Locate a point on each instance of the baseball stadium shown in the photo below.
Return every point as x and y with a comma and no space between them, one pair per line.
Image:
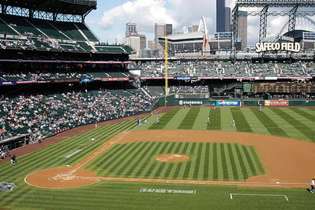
84,126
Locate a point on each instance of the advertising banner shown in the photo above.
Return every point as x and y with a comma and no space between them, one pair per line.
228,103
185,78
189,102
277,103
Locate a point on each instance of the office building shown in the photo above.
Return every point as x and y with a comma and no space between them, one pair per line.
220,15
131,29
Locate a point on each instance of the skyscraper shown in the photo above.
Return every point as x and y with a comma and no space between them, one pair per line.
221,16
168,29
242,28
162,30
227,19
131,29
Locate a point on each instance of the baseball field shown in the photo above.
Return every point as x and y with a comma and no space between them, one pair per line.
184,158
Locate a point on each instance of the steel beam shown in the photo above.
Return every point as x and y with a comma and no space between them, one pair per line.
292,18
283,13
263,23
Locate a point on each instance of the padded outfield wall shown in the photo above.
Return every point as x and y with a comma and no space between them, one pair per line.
172,101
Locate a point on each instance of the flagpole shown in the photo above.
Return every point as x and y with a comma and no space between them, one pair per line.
166,70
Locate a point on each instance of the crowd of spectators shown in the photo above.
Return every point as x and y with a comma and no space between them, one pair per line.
46,115
189,89
220,69
194,91
49,76
4,152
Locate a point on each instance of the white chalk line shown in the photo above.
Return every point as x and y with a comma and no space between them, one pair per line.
261,195
73,154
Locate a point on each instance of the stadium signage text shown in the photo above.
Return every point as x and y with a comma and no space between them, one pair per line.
277,103
285,46
181,102
228,103
166,191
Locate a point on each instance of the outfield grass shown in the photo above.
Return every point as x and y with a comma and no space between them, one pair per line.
160,123
297,123
189,120
208,161
214,119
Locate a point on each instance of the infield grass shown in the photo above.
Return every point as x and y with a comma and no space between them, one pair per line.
133,159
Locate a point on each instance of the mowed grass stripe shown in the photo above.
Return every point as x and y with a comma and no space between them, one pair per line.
240,121
158,166
167,166
162,166
100,160
198,161
202,161
164,119
215,175
256,160
146,173
171,166
149,156
135,159
224,163
111,164
251,163
300,126
214,122
36,160
82,155
240,158
52,159
304,114
271,126
189,120
189,163
119,167
233,162
181,165
206,162
228,162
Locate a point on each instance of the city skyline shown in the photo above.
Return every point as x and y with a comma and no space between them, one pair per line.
109,20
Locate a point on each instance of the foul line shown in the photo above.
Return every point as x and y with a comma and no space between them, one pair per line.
264,195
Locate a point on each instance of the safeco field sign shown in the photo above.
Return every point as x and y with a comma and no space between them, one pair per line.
289,47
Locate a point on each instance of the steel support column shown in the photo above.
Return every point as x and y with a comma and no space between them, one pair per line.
235,23
292,18
263,23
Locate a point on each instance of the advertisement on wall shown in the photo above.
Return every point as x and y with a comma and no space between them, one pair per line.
277,103
189,102
227,103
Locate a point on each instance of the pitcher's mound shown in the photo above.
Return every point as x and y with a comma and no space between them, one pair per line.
172,158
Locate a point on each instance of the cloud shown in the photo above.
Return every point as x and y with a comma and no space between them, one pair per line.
143,12
178,12
147,12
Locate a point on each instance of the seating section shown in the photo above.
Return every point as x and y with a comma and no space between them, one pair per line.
35,34
61,76
45,115
220,69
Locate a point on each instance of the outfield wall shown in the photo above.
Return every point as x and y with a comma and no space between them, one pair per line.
172,101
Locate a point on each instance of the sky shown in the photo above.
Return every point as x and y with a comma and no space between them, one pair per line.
109,20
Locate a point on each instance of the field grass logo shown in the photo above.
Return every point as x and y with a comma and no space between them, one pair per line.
284,46
7,187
